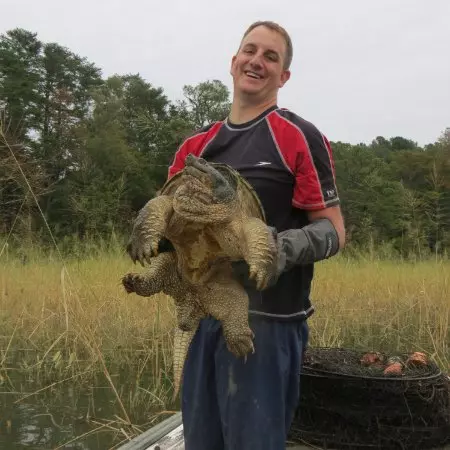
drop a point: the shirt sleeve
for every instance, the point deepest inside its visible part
(315, 183)
(178, 160)
(195, 145)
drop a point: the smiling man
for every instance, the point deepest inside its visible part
(228, 403)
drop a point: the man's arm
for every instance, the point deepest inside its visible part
(334, 215)
(316, 193)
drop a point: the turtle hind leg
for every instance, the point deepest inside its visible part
(238, 336)
(227, 302)
(187, 308)
(160, 276)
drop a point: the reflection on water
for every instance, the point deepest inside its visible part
(49, 424)
(30, 427)
(58, 417)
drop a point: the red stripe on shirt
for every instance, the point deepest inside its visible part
(196, 145)
(295, 151)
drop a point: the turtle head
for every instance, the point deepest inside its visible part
(206, 188)
(210, 180)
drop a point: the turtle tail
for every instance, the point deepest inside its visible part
(182, 341)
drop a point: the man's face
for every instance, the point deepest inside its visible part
(257, 69)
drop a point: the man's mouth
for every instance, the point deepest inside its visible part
(253, 75)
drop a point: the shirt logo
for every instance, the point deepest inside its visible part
(263, 163)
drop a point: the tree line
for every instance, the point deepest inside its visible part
(83, 154)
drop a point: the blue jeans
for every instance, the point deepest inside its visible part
(229, 404)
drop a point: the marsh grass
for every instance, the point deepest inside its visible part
(384, 305)
(72, 325)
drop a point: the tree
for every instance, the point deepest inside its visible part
(21, 182)
(20, 71)
(399, 143)
(93, 151)
(125, 147)
(372, 204)
(66, 87)
(207, 102)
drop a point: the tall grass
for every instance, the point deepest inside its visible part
(69, 323)
(385, 305)
(72, 324)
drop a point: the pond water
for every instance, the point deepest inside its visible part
(37, 425)
(72, 415)
(37, 411)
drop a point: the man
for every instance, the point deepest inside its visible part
(229, 403)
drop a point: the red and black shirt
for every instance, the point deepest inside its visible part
(289, 163)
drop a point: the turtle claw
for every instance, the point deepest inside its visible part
(154, 248)
(128, 282)
(241, 345)
(143, 254)
(259, 278)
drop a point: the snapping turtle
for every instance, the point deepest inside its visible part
(211, 216)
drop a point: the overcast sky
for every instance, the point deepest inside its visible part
(361, 68)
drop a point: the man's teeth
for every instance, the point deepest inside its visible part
(253, 75)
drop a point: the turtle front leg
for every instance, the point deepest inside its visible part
(260, 252)
(149, 228)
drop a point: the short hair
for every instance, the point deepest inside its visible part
(279, 29)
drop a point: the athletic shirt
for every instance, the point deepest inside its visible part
(289, 163)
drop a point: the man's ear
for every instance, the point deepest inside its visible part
(284, 78)
(233, 59)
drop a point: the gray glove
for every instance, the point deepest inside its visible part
(314, 242)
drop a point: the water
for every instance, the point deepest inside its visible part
(49, 424)
(71, 415)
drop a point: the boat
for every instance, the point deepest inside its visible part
(167, 435)
(419, 400)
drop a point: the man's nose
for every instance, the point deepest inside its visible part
(255, 62)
